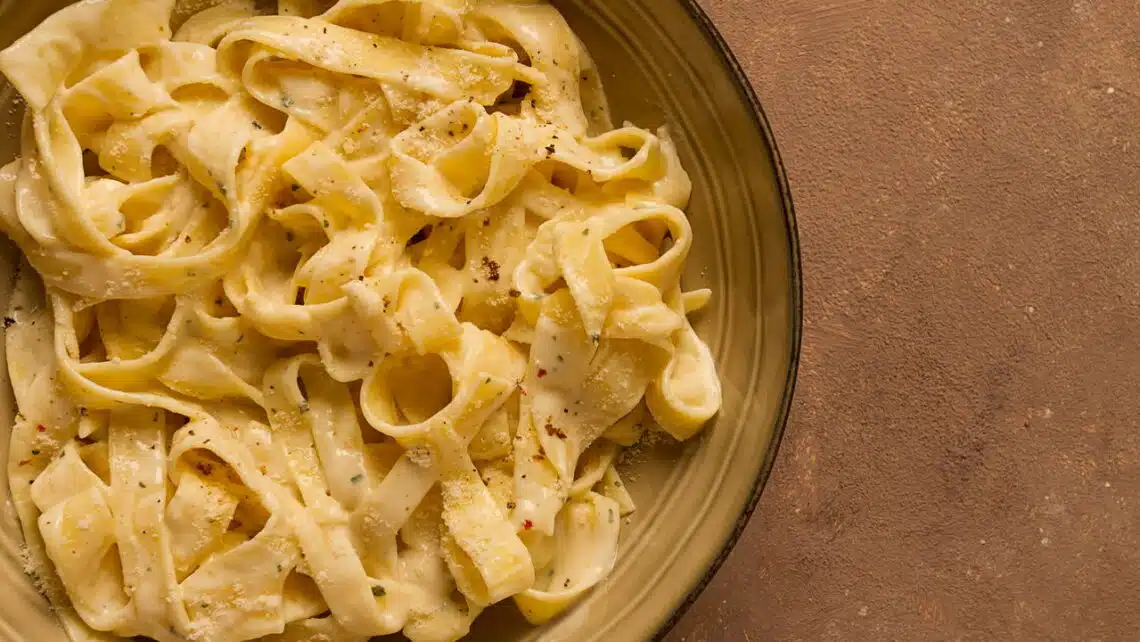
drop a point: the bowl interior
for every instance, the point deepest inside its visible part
(662, 66)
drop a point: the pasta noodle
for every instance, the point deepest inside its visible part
(333, 322)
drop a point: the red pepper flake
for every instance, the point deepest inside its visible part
(554, 431)
(527, 525)
(41, 428)
(25, 462)
(541, 372)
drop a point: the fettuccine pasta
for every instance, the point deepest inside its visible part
(333, 320)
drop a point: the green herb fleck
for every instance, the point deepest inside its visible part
(357, 478)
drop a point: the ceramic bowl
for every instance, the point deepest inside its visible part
(663, 63)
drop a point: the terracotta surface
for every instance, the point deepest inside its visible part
(962, 459)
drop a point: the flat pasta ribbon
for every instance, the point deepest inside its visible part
(333, 323)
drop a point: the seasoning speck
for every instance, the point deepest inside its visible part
(554, 431)
(492, 268)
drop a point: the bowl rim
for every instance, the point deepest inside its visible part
(747, 92)
(744, 87)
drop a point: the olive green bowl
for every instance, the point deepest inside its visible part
(663, 63)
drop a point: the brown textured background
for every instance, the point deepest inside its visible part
(962, 457)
